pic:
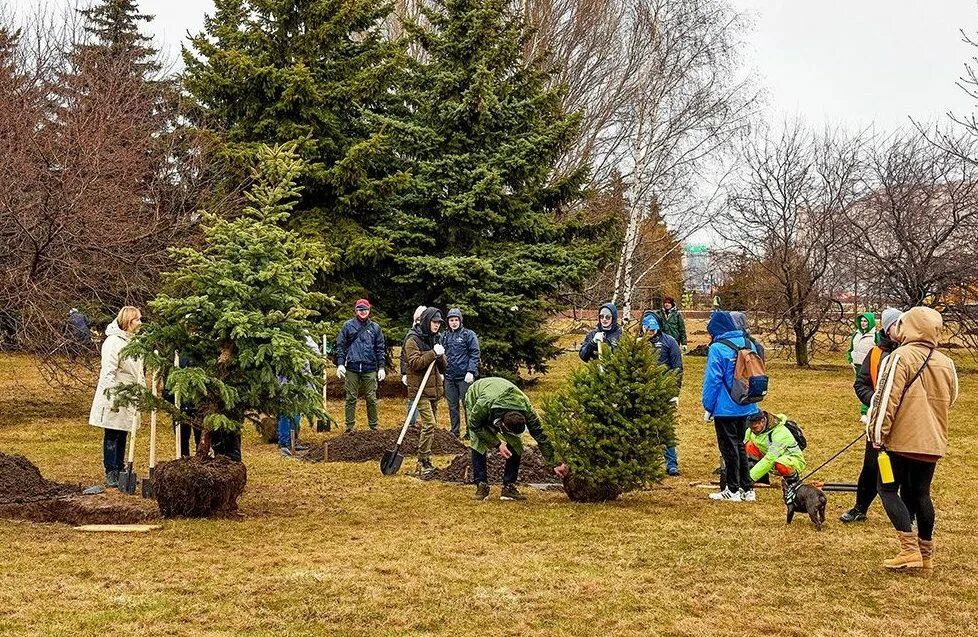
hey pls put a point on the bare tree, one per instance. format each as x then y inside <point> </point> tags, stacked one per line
<point>787,214</point>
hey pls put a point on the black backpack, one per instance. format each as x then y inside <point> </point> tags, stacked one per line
<point>798,434</point>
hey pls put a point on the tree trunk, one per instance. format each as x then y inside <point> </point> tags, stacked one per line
<point>801,343</point>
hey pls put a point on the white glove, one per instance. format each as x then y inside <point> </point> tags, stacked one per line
<point>707,416</point>
<point>469,378</point>
<point>341,371</point>
<point>441,378</point>
<point>684,349</point>
<point>381,375</point>
<point>674,400</point>
<point>439,349</point>
<point>864,419</point>
<point>598,337</point>
<point>404,380</point>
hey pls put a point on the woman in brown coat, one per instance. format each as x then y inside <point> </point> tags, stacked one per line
<point>908,420</point>
<point>421,349</point>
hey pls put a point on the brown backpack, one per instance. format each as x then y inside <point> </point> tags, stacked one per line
<point>750,374</point>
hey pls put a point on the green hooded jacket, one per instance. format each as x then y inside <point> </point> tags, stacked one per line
<point>485,402</point>
<point>777,444</point>
<point>857,338</point>
<point>672,324</point>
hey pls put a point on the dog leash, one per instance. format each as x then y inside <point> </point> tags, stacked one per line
<point>793,489</point>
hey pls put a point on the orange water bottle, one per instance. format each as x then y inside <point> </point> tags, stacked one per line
<point>886,469</point>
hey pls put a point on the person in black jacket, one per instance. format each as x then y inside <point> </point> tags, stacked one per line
<point>360,363</point>
<point>865,387</point>
<point>607,332</point>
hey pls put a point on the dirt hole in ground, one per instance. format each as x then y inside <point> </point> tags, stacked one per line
<point>363,446</point>
<point>26,495</point>
<point>533,469</point>
<point>195,488</point>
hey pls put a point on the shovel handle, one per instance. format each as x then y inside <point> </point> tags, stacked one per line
<point>152,429</point>
<point>132,439</point>
<point>176,403</point>
<point>414,405</point>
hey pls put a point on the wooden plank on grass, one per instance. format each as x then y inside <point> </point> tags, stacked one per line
<point>118,528</point>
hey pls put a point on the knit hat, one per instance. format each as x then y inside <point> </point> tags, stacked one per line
<point>419,311</point>
<point>455,313</point>
<point>668,299</point>
<point>890,316</point>
<point>362,304</point>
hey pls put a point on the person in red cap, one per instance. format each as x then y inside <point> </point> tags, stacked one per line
<point>360,362</point>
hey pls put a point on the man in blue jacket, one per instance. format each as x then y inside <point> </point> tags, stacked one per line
<point>360,361</point>
<point>729,418</point>
<point>607,332</point>
<point>462,350</point>
<point>671,356</point>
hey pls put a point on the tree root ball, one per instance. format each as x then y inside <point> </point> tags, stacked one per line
<point>195,488</point>
<point>579,490</point>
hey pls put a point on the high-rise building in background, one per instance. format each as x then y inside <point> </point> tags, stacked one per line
<point>698,276</point>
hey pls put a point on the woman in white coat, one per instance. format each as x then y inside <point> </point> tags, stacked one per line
<point>116,371</point>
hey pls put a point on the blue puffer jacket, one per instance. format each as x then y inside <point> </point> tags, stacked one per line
<point>589,349</point>
<point>366,352</point>
<point>461,349</point>
<point>720,361</point>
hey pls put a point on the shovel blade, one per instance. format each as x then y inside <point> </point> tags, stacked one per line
<point>127,482</point>
<point>147,486</point>
<point>391,463</point>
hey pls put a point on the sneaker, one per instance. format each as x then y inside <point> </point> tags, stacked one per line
<point>748,496</point>
<point>510,492</point>
<point>726,494</point>
<point>299,447</point>
<point>112,479</point>
<point>673,471</point>
<point>425,469</point>
<point>853,515</point>
<point>481,492</point>
<point>285,452</point>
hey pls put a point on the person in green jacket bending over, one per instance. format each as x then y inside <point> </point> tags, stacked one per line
<point>774,447</point>
<point>497,413</point>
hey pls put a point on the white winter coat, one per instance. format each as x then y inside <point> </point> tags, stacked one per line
<point>115,371</point>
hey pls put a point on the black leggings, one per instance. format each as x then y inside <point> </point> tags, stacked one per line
<point>868,476</point>
<point>909,495</point>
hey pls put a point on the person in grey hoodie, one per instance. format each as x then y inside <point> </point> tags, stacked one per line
<point>462,350</point>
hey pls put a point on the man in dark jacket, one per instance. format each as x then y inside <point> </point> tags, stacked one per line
<point>79,333</point>
<point>865,387</point>
<point>672,322</point>
<point>672,358</point>
<point>360,361</point>
<point>462,350</point>
<point>606,334</point>
<point>497,413</point>
<point>418,311</point>
<point>423,349</point>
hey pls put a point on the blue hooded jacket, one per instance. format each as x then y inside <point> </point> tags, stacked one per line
<point>670,354</point>
<point>361,350</point>
<point>589,349</point>
<point>461,349</point>
<point>720,361</point>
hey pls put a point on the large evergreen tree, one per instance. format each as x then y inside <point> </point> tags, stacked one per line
<point>483,221</point>
<point>308,72</point>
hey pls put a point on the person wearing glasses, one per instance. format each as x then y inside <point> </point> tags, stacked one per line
<point>604,336</point>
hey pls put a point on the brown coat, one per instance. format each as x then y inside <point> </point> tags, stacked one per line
<point>418,359</point>
<point>913,418</point>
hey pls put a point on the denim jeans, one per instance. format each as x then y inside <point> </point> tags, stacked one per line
<point>511,469</point>
<point>672,459</point>
<point>286,425</point>
<point>454,393</point>
<point>114,449</point>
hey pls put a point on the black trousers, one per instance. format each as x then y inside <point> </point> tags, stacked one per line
<point>114,449</point>
<point>226,443</point>
<point>909,495</point>
<point>185,430</point>
<point>730,439</point>
<point>868,476</point>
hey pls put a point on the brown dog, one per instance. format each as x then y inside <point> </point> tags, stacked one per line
<point>804,499</point>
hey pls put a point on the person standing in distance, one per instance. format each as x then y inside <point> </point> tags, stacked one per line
<point>360,361</point>
<point>462,351</point>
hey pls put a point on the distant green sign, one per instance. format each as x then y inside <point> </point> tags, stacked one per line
<point>697,248</point>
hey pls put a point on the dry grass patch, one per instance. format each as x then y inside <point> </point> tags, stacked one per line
<point>338,549</point>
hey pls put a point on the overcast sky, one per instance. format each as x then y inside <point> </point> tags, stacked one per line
<point>852,62</point>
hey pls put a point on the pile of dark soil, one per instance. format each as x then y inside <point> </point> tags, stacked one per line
<point>533,468</point>
<point>699,350</point>
<point>195,488</point>
<point>26,495</point>
<point>584,491</point>
<point>364,446</point>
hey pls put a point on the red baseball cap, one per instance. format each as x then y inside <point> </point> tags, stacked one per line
<point>362,303</point>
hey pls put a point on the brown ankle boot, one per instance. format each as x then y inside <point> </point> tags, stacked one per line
<point>926,552</point>
<point>909,555</point>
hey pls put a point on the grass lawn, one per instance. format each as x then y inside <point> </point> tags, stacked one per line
<point>337,549</point>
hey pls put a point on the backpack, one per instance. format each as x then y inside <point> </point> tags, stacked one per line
<point>798,434</point>
<point>750,374</point>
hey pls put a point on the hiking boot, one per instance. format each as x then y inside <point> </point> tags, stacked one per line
<point>300,447</point>
<point>748,496</point>
<point>909,555</point>
<point>853,515</point>
<point>285,451</point>
<point>373,427</point>
<point>349,429</point>
<point>726,494</point>
<point>673,471</point>
<point>481,491</point>
<point>425,469</point>
<point>926,553</point>
<point>112,479</point>
<point>510,492</point>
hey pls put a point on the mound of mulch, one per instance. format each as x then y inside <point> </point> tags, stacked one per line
<point>364,446</point>
<point>199,488</point>
<point>699,350</point>
<point>26,495</point>
<point>533,469</point>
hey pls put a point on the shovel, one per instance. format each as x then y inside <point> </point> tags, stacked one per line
<point>147,484</point>
<point>391,462</point>
<point>127,479</point>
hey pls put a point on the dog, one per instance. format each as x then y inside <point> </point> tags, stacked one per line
<point>804,499</point>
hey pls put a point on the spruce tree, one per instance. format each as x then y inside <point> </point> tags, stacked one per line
<point>483,221</point>
<point>240,309</point>
<point>612,421</point>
